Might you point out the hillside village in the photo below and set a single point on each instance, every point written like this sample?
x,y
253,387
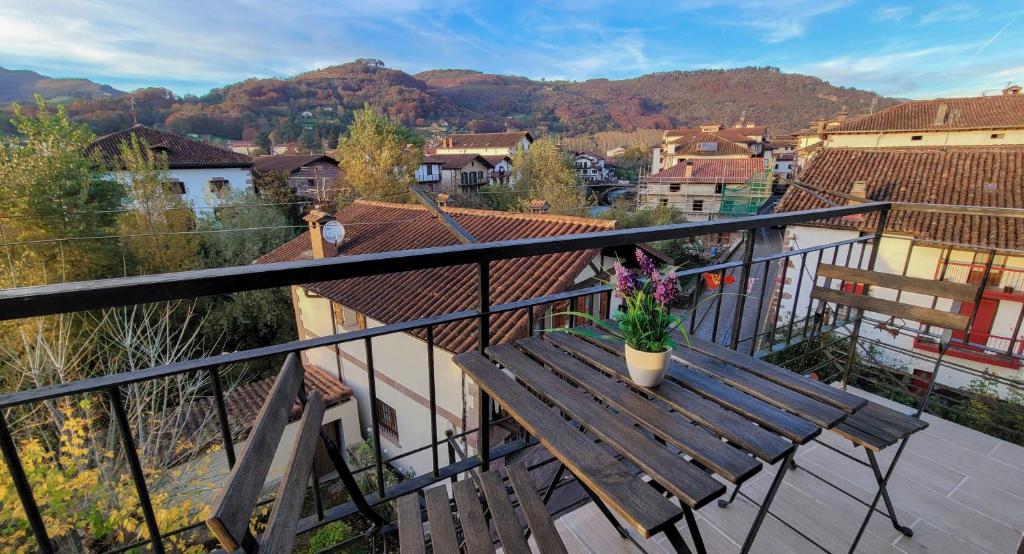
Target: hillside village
x,y
410,264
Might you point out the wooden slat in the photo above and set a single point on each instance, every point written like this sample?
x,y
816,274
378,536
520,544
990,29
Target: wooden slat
x,y
636,501
237,500
471,516
730,425
815,389
792,401
753,409
513,540
537,517
939,318
930,287
410,526
909,422
291,493
684,480
861,437
874,427
439,514
704,447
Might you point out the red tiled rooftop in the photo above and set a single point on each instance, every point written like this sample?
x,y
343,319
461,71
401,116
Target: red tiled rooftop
x,y
980,112
182,152
964,175
382,227
725,170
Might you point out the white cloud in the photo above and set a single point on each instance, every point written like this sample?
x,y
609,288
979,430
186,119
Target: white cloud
x,y
892,13
764,15
950,13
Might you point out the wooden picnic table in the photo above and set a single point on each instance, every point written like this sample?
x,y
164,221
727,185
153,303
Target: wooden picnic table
x,y
708,418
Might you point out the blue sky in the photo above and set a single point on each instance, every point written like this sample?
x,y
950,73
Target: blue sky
x,y
912,49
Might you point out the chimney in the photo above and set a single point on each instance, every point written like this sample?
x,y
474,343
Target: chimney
x,y
539,206
859,189
442,200
940,114
820,124
1011,90
688,169
841,116
316,220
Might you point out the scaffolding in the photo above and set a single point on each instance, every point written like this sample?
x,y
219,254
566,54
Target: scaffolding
x,y
739,199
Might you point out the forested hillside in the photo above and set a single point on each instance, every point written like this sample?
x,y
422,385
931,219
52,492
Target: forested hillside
x,y
316,106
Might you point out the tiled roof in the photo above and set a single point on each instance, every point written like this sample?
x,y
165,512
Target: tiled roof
x,y
182,152
723,147
755,131
495,160
459,161
485,140
980,112
289,162
381,227
243,403
964,175
687,135
711,171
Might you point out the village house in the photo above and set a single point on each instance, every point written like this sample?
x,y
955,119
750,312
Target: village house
x,y
428,173
709,140
955,240
247,147
462,172
485,144
306,174
589,167
704,189
204,175
400,365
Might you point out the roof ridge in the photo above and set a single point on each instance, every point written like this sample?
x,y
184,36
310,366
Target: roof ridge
x,y
605,223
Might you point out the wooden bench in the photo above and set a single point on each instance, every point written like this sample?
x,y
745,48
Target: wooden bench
x,y
472,522
234,508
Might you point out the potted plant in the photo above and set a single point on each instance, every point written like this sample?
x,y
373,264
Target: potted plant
x,y
644,322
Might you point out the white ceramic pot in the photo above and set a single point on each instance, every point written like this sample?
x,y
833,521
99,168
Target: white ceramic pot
x,y
647,369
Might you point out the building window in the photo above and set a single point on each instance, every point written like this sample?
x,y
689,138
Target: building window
x,y
387,419
997,135
464,178
430,169
917,137
220,187
174,186
718,188
674,187
697,205
663,201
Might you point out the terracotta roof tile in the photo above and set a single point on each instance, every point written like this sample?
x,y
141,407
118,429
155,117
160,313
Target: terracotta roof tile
x,y
972,176
458,161
182,152
723,147
980,112
687,134
381,227
288,162
727,170
485,140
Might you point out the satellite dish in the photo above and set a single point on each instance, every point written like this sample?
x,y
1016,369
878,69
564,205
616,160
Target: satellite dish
x,y
333,232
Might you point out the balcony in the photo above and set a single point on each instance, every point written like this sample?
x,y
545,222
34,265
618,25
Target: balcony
x,y
958,488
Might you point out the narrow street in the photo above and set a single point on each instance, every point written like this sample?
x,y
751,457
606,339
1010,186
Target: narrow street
x,y
723,300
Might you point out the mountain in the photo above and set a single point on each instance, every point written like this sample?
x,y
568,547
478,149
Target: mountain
x,y
316,106
20,85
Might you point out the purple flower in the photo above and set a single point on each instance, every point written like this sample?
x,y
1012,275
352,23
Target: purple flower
x,y
665,290
646,265
625,281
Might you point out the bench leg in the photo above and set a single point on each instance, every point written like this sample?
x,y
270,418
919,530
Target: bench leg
x,y
691,523
725,503
907,531
878,495
676,540
338,461
604,510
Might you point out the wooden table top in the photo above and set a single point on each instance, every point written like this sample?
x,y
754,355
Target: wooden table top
x,y
727,419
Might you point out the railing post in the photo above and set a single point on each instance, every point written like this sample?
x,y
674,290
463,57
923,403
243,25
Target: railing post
x,y
130,452
371,376
433,398
222,416
741,287
484,330
24,488
855,334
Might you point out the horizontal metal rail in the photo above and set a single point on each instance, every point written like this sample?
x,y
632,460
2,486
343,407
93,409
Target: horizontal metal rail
x,y
88,295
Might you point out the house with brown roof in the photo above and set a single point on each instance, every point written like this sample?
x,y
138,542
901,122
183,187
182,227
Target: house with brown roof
x,y
709,140
486,144
697,187
462,172
973,121
306,173
205,175
950,238
400,367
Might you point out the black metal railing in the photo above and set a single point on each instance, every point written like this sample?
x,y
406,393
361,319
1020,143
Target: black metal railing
x,y
734,300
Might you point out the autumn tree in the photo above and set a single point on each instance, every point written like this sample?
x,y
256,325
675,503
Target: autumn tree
x,y
156,230
51,189
376,159
544,172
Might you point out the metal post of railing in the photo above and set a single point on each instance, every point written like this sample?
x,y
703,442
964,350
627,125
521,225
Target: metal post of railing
x,y
760,307
433,398
855,333
718,306
222,417
135,466
371,376
741,287
24,488
484,330
796,296
1016,333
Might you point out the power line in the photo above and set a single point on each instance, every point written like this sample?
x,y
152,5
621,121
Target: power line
x,y
126,210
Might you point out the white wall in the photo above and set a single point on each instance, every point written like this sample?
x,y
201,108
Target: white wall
x,y
197,183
